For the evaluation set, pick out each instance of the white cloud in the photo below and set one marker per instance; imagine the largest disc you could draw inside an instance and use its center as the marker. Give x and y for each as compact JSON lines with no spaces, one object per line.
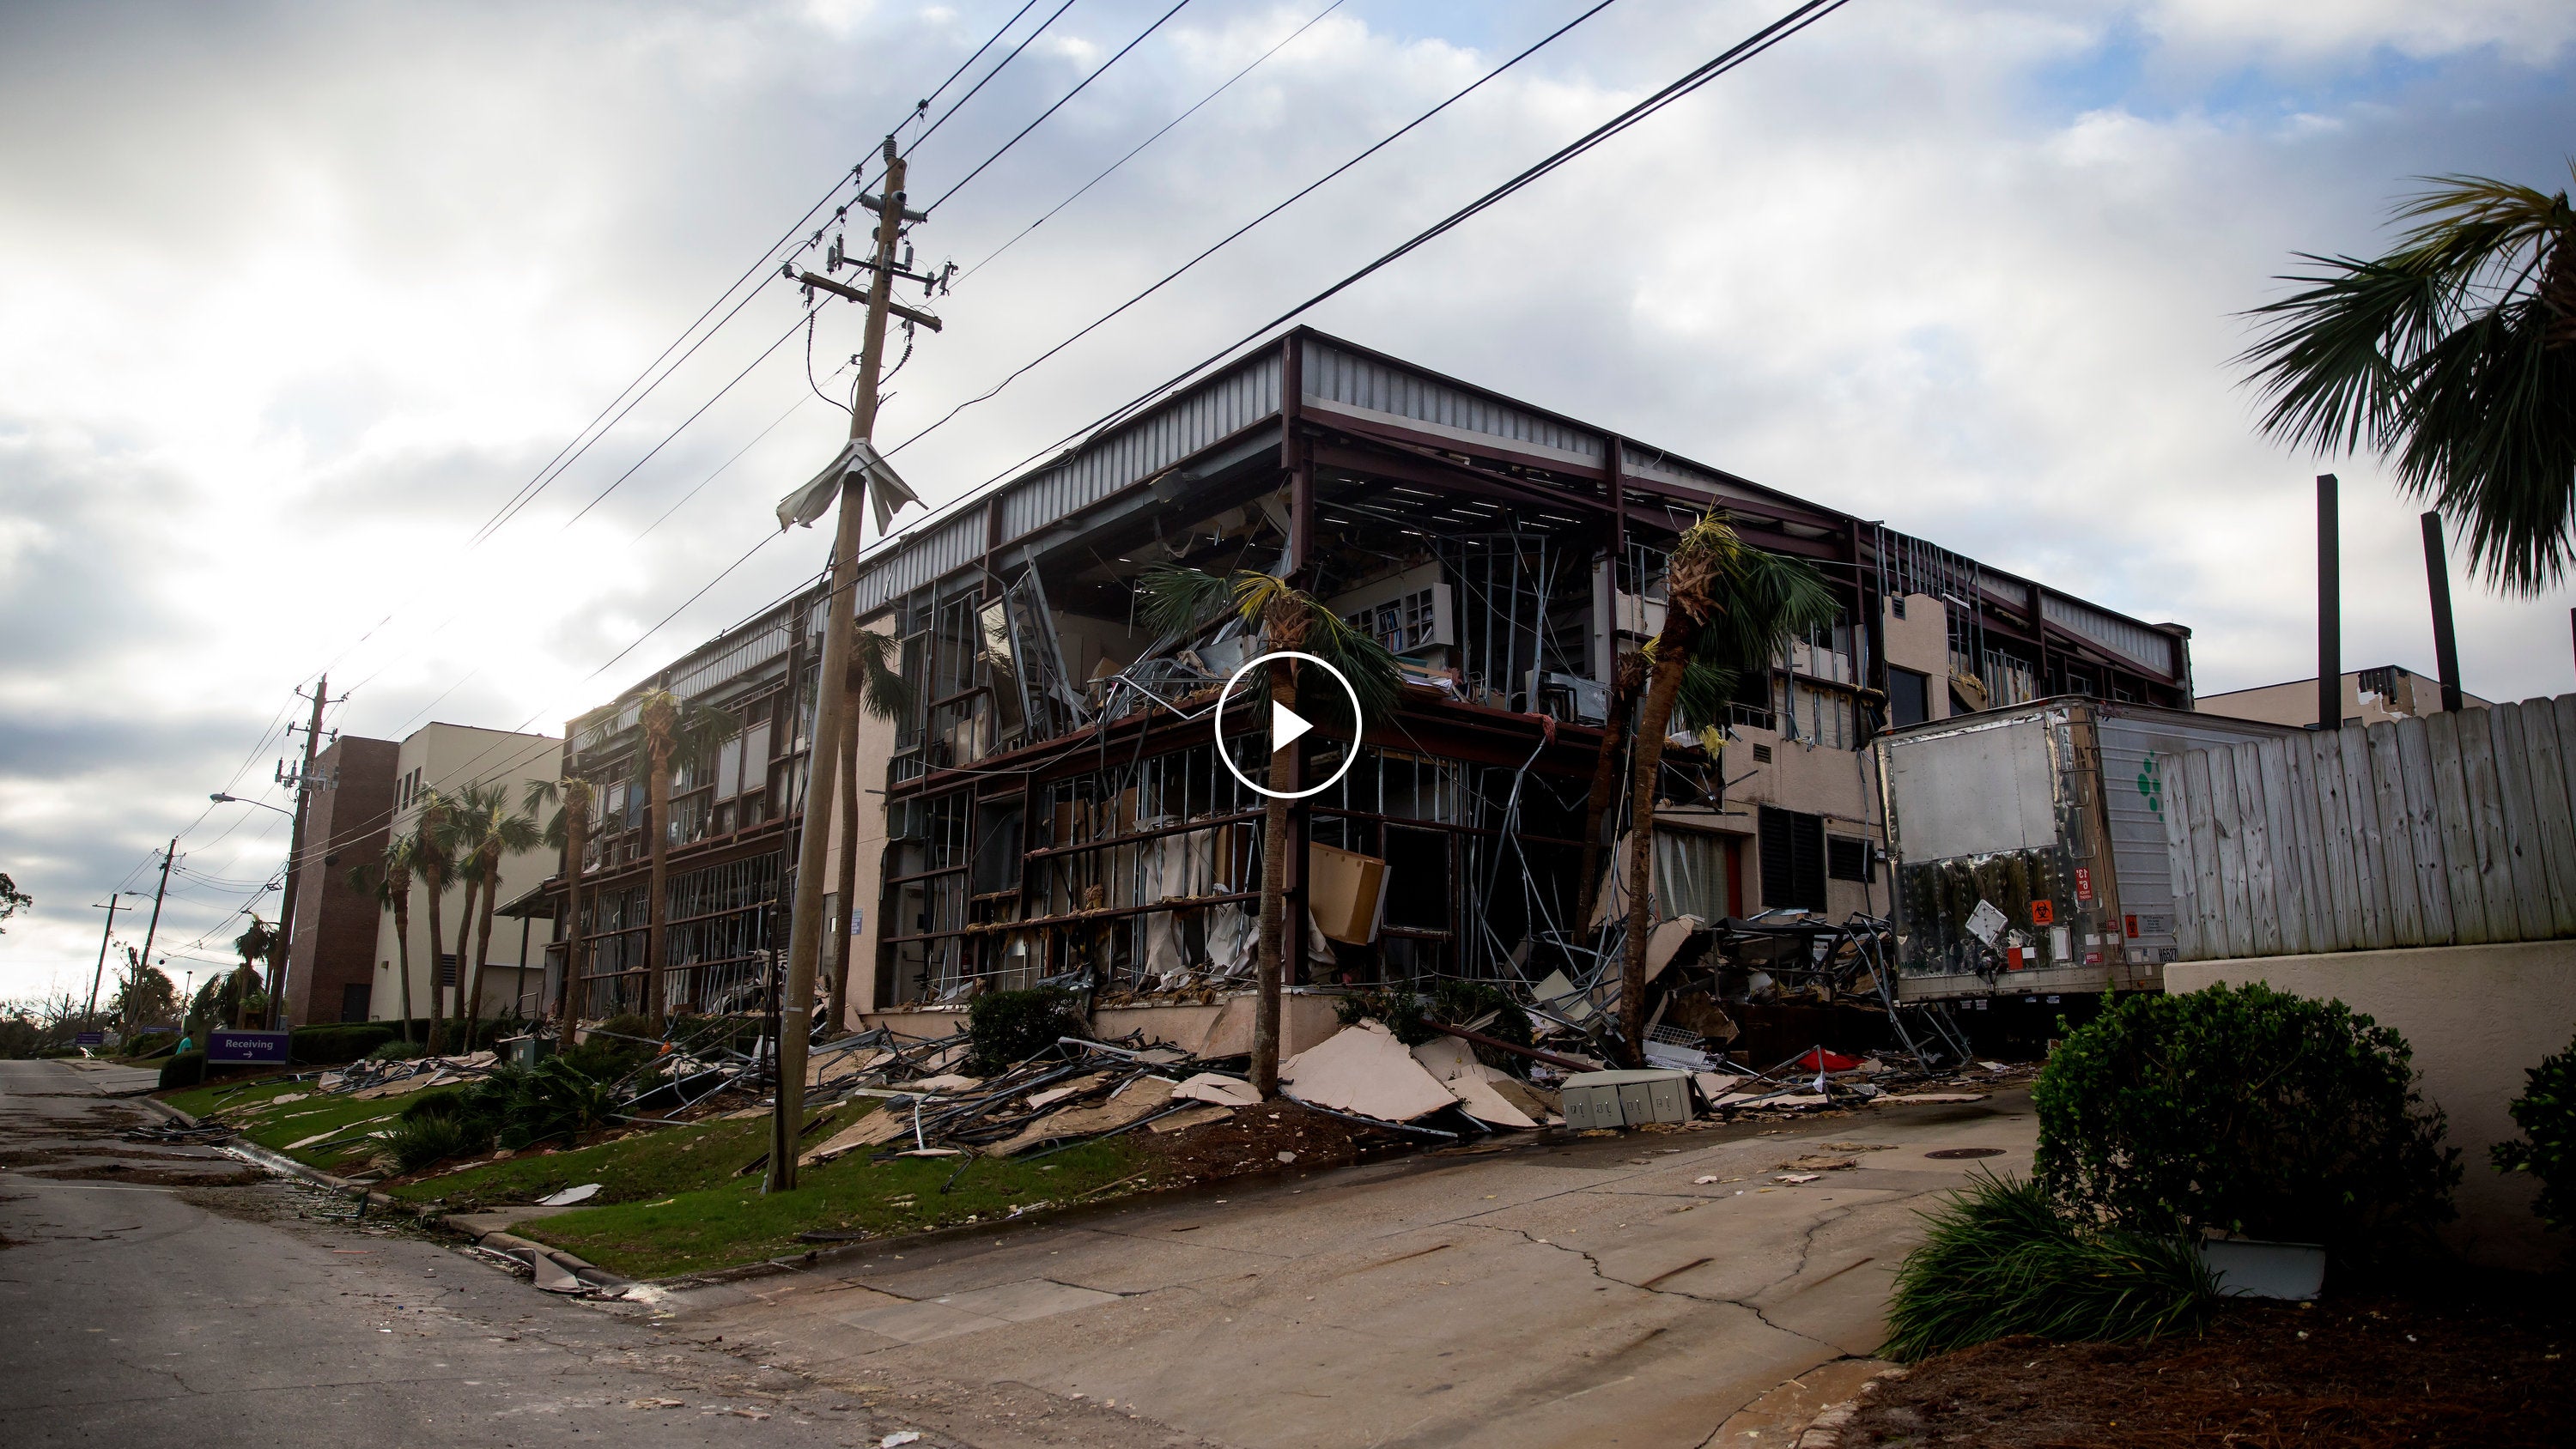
{"x":292,"y":299}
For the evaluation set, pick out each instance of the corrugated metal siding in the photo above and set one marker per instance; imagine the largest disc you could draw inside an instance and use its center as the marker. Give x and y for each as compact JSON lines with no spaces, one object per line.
{"x":949,"y":545}
{"x":1666,"y":468}
{"x":764,"y":642}
{"x":1196,"y":420}
{"x":1337,"y":376}
{"x":2123,"y":637}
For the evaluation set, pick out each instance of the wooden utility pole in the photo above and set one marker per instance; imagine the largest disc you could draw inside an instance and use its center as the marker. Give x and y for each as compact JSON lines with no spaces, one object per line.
{"x":831,"y":705}
{"x":144,"y":961}
{"x":91,"y":1015}
{"x":279,"y":953}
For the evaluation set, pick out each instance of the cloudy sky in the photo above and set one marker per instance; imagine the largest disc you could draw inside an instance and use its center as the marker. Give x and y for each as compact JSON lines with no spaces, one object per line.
{"x":294,"y":298}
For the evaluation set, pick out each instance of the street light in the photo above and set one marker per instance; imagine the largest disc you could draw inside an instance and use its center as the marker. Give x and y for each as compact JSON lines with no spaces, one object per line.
{"x":220,"y":798}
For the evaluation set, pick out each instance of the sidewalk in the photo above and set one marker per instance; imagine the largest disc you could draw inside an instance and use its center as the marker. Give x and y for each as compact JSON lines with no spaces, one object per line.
{"x":1590,"y":1292}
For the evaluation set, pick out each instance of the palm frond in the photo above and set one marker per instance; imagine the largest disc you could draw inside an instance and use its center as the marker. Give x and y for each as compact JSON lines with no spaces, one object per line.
{"x":883,"y":692}
{"x":1707,"y":688}
{"x":1178,"y":600}
{"x":2452,"y":355}
{"x":1360,"y":658}
{"x":1762,"y":601}
{"x":2490,"y":438}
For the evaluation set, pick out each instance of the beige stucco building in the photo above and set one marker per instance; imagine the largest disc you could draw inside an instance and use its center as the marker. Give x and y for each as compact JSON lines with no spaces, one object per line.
{"x":2370,"y":696}
{"x":448,"y":758}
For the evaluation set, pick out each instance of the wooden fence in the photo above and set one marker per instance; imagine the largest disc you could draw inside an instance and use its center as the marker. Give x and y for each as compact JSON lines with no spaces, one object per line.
{"x":2453,"y":829}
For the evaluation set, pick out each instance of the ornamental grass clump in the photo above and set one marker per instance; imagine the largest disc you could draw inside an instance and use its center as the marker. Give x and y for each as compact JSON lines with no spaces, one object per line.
{"x":2002,"y":1259}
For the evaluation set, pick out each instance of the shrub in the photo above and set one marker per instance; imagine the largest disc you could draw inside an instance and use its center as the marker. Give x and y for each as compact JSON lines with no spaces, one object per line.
{"x":1011,"y":1026}
{"x":150,"y":1044}
{"x":332,"y":1043}
{"x":430,"y":1138}
{"x":2248,"y":1110}
{"x":186,"y":1069}
{"x":2546,"y":1113}
{"x":2001,"y":1259}
{"x":607,"y":1058}
{"x":1457,"y":1003}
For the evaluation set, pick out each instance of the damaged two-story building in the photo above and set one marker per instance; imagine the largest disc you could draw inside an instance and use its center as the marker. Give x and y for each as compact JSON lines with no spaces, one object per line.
{"x":1052,"y":806}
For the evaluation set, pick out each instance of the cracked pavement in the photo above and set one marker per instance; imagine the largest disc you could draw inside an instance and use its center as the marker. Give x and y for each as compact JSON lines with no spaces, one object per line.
{"x":166,"y":1301}
{"x":1585,"y":1291}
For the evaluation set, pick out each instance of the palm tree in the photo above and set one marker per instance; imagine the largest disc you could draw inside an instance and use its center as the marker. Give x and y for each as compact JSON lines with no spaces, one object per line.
{"x":254,"y":945}
{"x":1706,"y":687}
{"x":672,"y":727}
{"x":874,"y":686}
{"x":2455,"y":356}
{"x":1729,"y":604}
{"x":1179,"y":600}
{"x":389,"y":881}
{"x":497,"y":832}
{"x":568,"y":831}
{"x":435,"y":867}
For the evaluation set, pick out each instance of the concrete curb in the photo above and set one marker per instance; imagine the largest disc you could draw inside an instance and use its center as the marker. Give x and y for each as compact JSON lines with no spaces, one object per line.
{"x":538,"y":1256}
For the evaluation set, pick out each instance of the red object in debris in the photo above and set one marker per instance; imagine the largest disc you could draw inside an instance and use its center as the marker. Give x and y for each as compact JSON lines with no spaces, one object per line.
{"x":2012,"y":958}
{"x":1818,"y":1059}
{"x":2083,"y":883}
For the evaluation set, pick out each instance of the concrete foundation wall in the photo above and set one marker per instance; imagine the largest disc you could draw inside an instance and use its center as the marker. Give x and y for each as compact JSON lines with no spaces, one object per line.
{"x":2477,"y":1017}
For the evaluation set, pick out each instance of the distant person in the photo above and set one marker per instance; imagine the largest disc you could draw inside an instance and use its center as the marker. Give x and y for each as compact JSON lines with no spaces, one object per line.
{"x":186,"y":1045}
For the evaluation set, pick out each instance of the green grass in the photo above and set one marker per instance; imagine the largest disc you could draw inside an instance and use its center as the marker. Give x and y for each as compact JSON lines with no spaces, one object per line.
{"x":734,"y":1222}
{"x":654,"y":1162}
{"x":294,"y":1122}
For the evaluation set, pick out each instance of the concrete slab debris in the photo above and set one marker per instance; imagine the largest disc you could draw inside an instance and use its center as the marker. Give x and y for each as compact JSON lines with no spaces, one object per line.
{"x":1365,"y":1070}
{"x":1224,"y":1091}
{"x":1454,"y":1064}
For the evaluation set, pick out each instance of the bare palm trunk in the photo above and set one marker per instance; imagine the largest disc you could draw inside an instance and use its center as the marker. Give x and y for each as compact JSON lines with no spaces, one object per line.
{"x":482,"y":949}
{"x":1654,"y":717}
{"x":653,"y":904}
{"x":437,"y":883}
{"x":466,"y":971}
{"x":402,"y":955}
{"x":576,"y":830}
{"x":1605,"y":781}
{"x":1277,"y":933}
{"x":849,"y":873}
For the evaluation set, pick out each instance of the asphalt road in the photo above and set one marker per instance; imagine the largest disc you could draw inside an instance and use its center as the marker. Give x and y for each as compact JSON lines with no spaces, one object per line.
{"x":160,"y":1295}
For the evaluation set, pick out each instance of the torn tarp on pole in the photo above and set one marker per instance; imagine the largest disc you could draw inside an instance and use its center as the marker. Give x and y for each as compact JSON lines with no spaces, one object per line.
{"x":887,"y":493}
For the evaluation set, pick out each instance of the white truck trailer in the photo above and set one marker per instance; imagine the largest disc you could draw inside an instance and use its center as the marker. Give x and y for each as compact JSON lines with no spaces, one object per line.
{"x":2027,"y":844}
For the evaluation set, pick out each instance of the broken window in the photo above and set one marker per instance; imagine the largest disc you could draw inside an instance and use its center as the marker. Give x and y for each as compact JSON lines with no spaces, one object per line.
{"x":1849,"y":858}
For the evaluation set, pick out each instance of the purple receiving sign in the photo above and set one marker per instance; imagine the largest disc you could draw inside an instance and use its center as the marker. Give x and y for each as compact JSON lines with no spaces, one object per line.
{"x":247,"y":1048}
{"x":90,"y":1038}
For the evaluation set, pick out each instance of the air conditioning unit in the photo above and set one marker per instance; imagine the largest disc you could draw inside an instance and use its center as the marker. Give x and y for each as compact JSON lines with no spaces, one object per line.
{"x":1569,"y":697}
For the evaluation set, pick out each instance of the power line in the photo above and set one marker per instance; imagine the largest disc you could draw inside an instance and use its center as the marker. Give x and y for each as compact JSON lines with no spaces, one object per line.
{"x":1051,"y":110}
{"x":1194,"y":109}
{"x":1000,"y":66}
{"x":1727,"y":60}
{"x":1231,"y":237}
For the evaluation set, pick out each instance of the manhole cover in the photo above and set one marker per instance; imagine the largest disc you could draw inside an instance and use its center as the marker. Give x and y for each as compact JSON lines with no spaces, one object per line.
{"x":1954,"y":1152}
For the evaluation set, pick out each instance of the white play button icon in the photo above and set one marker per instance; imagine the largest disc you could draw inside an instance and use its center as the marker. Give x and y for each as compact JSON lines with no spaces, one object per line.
{"x":1286,"y":725}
